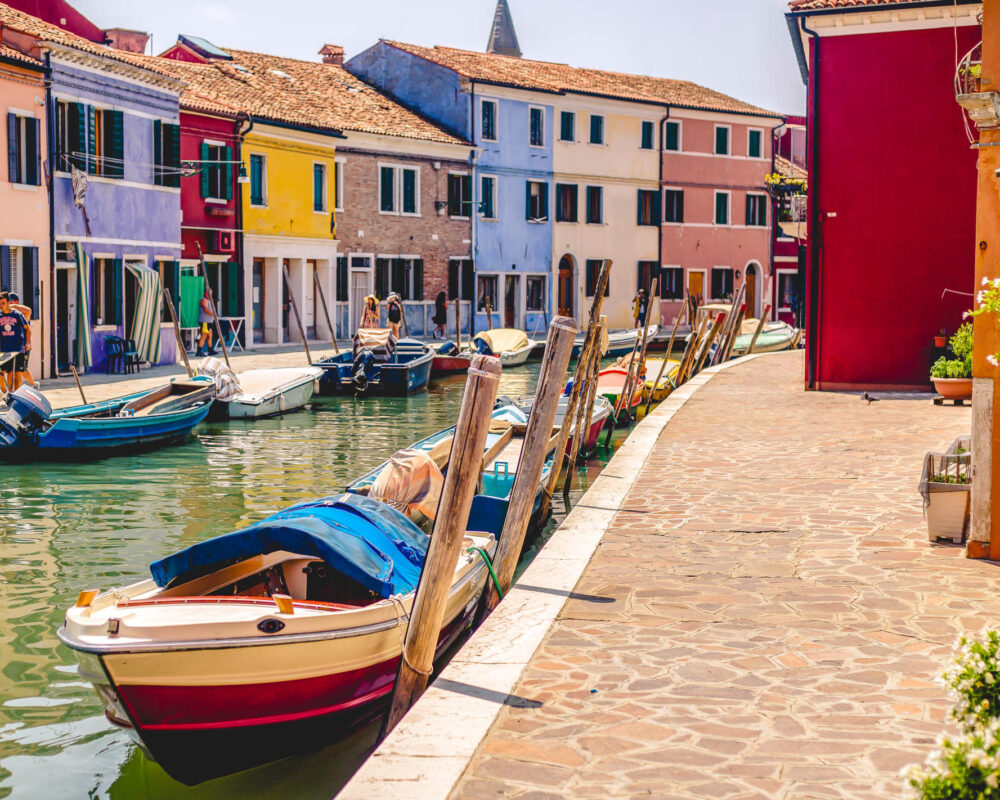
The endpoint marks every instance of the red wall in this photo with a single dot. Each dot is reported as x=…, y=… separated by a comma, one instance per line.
x=197, y=214
x=895, y=167
x=55, y=11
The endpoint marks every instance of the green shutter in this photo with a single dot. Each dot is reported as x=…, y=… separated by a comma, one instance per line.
x=175, y=156
x=399, y=277
x=229, y=173
x=114, y=146
x=204, y=171
x=418, y=279
x=232, y=305
x=115, y=318
x=381, y=278
x=158, y=155
x=341, y=278
x=544, y=204
x=91, y=140
x=527, y=200
x=29, y=277
x=387, y=184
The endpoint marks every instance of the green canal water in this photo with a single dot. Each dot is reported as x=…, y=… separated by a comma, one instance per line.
x=64, y=528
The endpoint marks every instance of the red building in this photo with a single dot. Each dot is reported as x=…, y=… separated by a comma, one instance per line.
x=788, y=250
x=892, y=186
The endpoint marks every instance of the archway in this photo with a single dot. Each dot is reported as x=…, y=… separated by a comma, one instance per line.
x=566, y=286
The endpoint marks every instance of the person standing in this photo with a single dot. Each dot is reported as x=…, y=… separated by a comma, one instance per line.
x=369, y=319
x=639, y=305
x=15, y=301
x=440, y=318
x=206, y=315
x=394, y=312
x=15, y=337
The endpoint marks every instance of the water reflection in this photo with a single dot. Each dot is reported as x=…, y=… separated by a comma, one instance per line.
x=65, y=527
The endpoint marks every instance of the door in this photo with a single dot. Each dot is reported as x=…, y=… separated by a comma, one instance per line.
x=566, y=286
x=65, y=317
x=309, y=300
x=511, y=284
x=286, y=310
x=751, y=294
x=361, y=285
x=696, y=289
x=257, y=299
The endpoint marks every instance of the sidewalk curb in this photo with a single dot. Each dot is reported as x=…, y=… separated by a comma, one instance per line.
x=428, y=752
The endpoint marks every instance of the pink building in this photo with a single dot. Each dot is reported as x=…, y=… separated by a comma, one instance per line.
x=788, y=258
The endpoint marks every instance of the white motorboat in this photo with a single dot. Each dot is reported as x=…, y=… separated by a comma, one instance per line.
x=510, y=345
x=259, y=393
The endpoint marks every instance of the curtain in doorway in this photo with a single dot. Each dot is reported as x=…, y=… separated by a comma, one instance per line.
x=146, y=323
x=82, y=354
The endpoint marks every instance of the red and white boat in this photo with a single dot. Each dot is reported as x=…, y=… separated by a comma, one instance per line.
x=280, y=636
x=450, y=360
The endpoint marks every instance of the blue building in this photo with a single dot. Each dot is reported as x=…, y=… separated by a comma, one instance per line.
x=508, y=191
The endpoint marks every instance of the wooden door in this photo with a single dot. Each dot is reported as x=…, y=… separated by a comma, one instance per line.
x=566, y=286
x=751, y=294
x=510, y=301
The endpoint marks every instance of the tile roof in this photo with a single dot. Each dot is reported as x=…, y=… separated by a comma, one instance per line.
x=296, y=92
x=789, y=168
x=43, y=31
x=10, y=53
x=552, y=77
x=822, y=5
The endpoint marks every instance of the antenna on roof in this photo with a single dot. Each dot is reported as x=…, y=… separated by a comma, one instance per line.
x=503, y=39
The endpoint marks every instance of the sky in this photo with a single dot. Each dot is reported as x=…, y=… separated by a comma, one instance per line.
x=740, y=47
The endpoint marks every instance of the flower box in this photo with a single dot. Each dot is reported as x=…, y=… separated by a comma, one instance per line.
x=953, y=388
x=945, y=487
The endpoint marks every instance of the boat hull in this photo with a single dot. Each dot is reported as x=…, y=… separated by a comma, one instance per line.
x=450, y=365
x=399, y=380
x=393, y=380
x=290, y=398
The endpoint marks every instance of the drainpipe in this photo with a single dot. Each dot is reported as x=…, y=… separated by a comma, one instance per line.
x=659, y=224
x=472, y=223
x=815, y=238
x=50, y=155
x=774, y=218
x=238, y=136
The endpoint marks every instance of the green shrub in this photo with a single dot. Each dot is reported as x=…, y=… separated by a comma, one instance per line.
x=961, y=342
x=952, y=367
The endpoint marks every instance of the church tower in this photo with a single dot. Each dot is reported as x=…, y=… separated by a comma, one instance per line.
x=503, y=40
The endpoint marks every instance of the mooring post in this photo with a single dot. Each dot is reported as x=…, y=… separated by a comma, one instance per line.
x=177, y=330
x=591, y=397
x=326, y=313
x=760, y=327
x=714, y=332
x=551, y=379
x=458, y=324
x=464, y=467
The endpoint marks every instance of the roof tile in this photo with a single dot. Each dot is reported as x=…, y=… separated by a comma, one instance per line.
x=822, y=5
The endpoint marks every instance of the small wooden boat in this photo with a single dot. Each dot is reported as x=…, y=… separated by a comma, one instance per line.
x=30, y=430
x=449, y=360
x=774, y=337
x=379, y=365
x=660, y=391
x=611, y=383
x=598, y=419
x=620, y=343
x=268, y=392
x=259, y=643
x=510, y=345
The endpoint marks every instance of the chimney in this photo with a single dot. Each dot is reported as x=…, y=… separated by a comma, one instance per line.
x=129, y=41
x=332, y=54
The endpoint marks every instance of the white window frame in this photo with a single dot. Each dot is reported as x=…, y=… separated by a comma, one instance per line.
x=496, y=119
x=766, y=204
x=544, y=278
x=263, y=179
x=397, y=189
x=683, y=282
x=472, y=189
x=715, y=267
x=541, y=110
x=604, y=130
x=729, y=207
x=496, y=191
x=729, y=140
x=586, y=199
x=680, y=136
x=215, y=200
x=778, y=273
x=326, y=190
x=555, y=204
x=339, y=164
x=574, y=139
x=663, y=209
x=407, y=273
x=484, y=276
x=549, y=215
x=763, y=154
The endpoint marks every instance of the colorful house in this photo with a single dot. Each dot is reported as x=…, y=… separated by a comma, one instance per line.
x=112, y=222
x=891, y=194
x=787, y=184
x=24, y=199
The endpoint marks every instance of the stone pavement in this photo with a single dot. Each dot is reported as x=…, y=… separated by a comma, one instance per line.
x=764, y=618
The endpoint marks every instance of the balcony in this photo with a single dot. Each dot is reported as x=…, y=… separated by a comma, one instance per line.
x=982, y=107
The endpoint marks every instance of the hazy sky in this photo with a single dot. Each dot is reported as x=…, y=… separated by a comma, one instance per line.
x=740, y=47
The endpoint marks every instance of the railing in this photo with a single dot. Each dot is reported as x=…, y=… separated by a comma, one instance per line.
x=969, y=72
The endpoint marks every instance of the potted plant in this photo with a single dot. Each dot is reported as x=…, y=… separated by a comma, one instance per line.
x=941, y=340
x=944, y=484
x=952, y=377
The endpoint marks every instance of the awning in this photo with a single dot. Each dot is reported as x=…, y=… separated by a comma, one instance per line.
x=82, y=356
x=146, y=324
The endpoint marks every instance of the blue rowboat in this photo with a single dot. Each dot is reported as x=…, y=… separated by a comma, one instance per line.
x=399, y=369
x=31, y=431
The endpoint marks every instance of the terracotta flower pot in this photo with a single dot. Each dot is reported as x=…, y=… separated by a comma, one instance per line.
x=940, y=341
x=954, y=388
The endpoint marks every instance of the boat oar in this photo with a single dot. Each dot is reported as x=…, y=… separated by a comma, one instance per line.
x=760, y=327
x=326, y=313
x=434, y=586
x=663, y=366
x=79, y=385
x=712, y=334
x=592, y=393
x=211, y=299
x=295, y=309
x=621, y=399
x=177, y=330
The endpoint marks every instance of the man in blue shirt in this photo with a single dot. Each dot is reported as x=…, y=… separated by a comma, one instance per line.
x=15, y=337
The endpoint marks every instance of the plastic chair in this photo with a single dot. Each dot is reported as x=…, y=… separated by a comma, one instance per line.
x=131, y=356
x=114, y=349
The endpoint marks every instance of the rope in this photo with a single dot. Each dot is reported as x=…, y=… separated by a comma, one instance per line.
x=397, y=604
x=489, y=566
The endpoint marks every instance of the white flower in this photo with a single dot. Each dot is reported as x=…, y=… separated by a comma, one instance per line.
x=992, y=359
x=966, y=314
x=985, y=280
x=996, y=282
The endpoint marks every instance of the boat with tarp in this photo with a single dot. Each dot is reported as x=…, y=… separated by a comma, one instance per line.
x=259, y=393
x=378, y=364
x=510, y=345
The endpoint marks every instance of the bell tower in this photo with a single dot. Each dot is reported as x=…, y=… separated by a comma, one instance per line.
x=503, y=39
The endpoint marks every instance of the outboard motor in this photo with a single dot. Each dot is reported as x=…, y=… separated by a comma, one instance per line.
x=447, y=349
x=364, y=363
x=484, y=348
x=24, y=418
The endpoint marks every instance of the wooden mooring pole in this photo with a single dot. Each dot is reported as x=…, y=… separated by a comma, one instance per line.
x=211, y=299
x=760, y=327
x=177, y=330
x=580, y=438
x=551, y=379
x=295, y=309
x=458, y=323
x=464, y=467
x=79, y=386
x=326, y=313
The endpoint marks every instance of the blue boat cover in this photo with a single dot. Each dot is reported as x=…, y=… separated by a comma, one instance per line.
x=362, y=538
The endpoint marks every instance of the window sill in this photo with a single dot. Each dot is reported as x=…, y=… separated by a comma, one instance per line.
x=262, y=208
x=536, y=146
x=597, y=224
x=215, y=201
x=491, y=141
x=104, y=328
x=323, y=212
x=489, y=219
x=537, y=221
x=458, y=219
x=597, y=144
x=24, y=187
x=568, y=221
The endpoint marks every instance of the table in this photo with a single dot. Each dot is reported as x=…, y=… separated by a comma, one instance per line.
x=235, y=328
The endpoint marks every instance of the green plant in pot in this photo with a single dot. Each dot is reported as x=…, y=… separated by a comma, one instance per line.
x=952, y=377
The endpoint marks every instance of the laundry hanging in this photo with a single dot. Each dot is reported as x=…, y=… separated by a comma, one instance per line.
x=146, y=324
x=82, y=353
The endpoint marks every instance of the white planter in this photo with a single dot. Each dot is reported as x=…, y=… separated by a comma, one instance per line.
x=947, y=512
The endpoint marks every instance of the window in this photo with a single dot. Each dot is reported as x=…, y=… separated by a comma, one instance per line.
x=755, y=143
x=722, y=208
x=649, y=207
x=673, y=205
x=672, y=283
x=788, y=290
x=398, y=189
x=19, y=273
x=258, y=180
x=593, y=272
x=672, y=136
x=566, y=202
x=757, y=209
x=489, y=120
x=342, y=280
x=596, y=129
x=644, y=275
x=319, y=187
x=459, y=195
x=488, y=197
x=595, y=205
x=534, y=293
x=722, y=283
x=216, y=171
x=338, y=184
x=537, y=201
x=567, y=126
x=537, y=127
x=402, y=275
x=71, y=136
x=487, y=292
x=24, y=155
x=647, y=135
x=105, y=143
x=461, y=278
x=166, y=154
x=107, y=291
x=722, y=140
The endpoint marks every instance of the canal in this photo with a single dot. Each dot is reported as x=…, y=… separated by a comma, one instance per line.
x=64, y=528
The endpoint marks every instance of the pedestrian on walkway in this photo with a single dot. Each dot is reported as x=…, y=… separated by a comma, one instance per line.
x=206, y=315
x=15, y=337
x=394, y=311
x=369, y=318
x=440, y=318
x=15, y=301
x=639, y=305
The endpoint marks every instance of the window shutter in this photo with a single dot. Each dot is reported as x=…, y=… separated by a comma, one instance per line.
x=749, y=215
x=232, y=290
x=381, y=278
x=158, y=155
x=342, y=279
x=91, y=140
x=527, y=203
x=4, y=268
x=35, y=151
x=638, y=215
x=29, y=274
x=174, y=271
x=418, y=279
x=204, y=171
x=12, y=159
x=77, y=135
x=116, y=141
x=399, y=277
x=453, y=277
x=175, y=156
x=657, y=214
x=680, y=206
x=544, y=204
x=115, y=317
x=590, y=279
x=229, y=173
